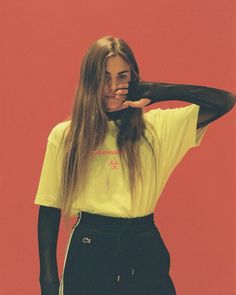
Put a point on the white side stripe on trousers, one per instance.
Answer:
(61, 288)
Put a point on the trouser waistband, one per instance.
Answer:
(116, 224)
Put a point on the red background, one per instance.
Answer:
(191, 42)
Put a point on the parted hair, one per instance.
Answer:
(89, 124)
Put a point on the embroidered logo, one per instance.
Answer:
(86, 240)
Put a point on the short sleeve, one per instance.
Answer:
(177, 132)
(48, 188)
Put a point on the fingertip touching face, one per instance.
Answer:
(117, 72)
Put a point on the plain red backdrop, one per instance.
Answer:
(191, 42)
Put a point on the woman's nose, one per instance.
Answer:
(113, 86)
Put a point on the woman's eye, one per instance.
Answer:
(123, 77)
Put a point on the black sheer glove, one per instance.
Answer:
(48, 227)
(213, 102)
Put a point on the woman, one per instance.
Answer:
(108, 164)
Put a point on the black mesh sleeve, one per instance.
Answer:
(48, 227)
(213, 102)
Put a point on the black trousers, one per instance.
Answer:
(116, 256)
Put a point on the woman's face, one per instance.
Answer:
(117, 72)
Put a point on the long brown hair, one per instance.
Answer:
(89, 124)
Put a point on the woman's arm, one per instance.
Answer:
(48, 227)
(213, 102)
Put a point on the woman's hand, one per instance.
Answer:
(121, 94)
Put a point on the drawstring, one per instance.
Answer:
(133, 253)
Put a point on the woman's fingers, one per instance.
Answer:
(137, 104)
(122, 89)
(121, 94)
(123, 85)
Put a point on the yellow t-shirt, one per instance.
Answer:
(107, 191)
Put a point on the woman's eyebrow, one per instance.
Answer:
(118, 73)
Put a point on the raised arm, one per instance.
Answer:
(213, 102)
(48, 227)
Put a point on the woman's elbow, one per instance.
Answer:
(229, 103)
